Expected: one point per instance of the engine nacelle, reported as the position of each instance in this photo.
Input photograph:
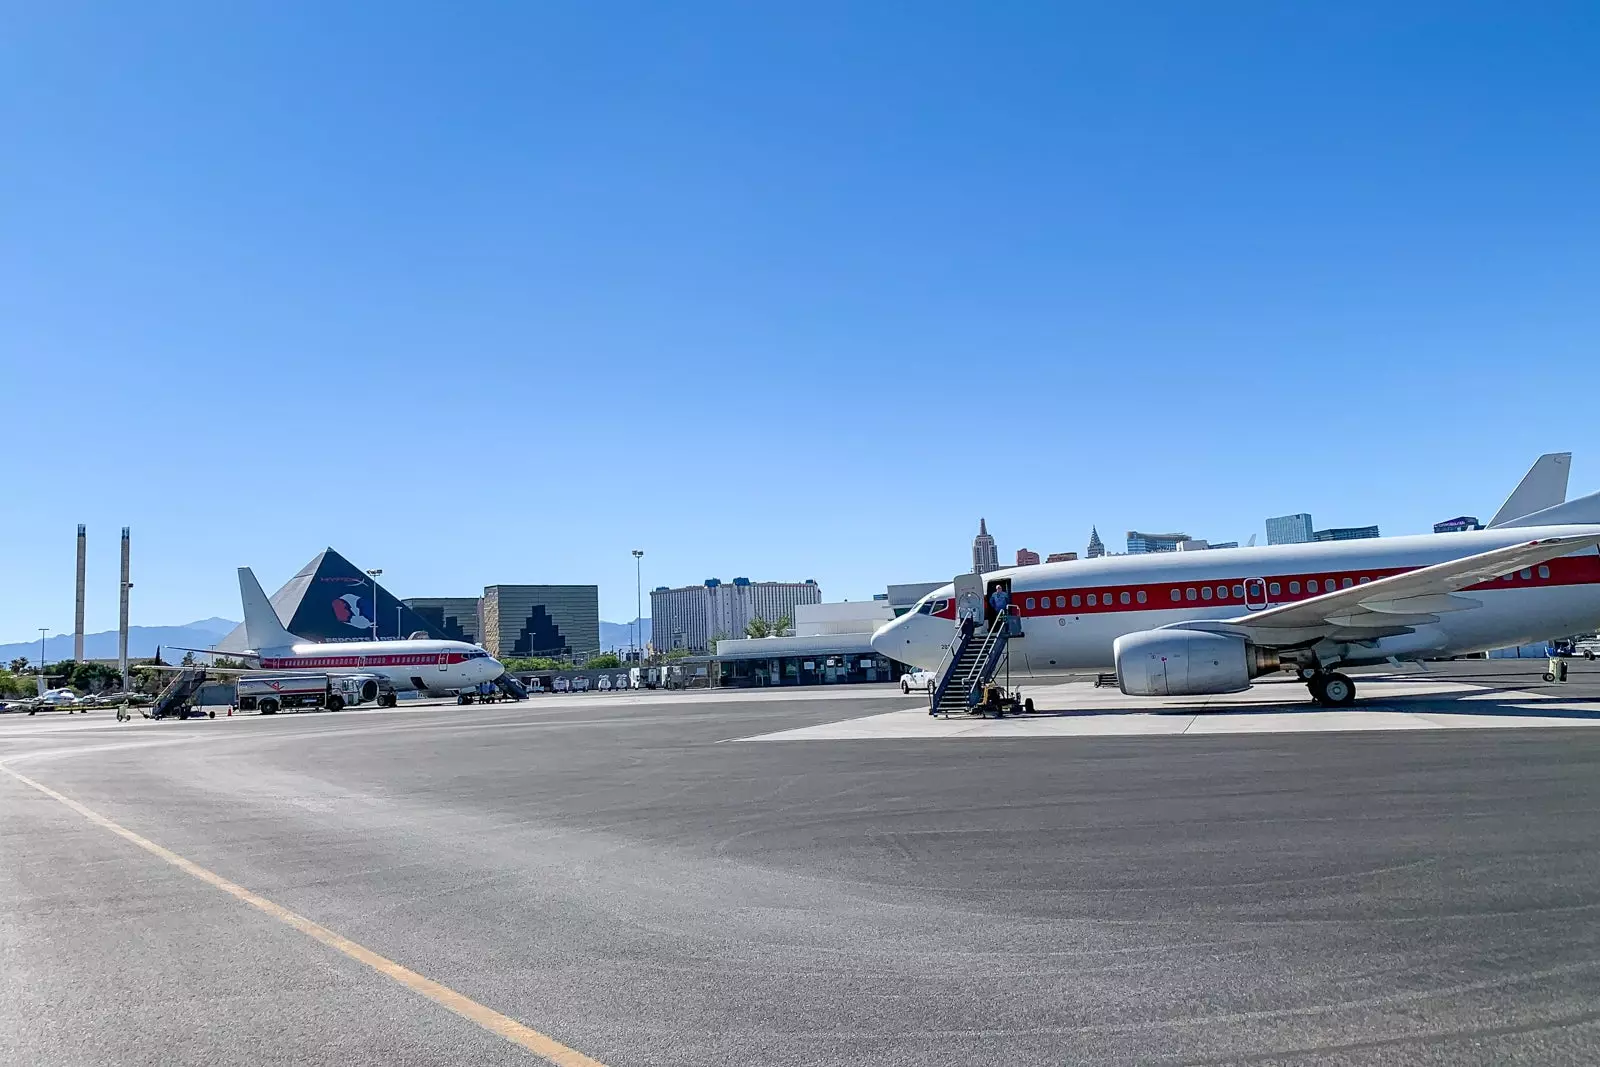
(1159, 663)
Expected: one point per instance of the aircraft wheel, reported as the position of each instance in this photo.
(1027, 705)
(1314, 684)
(1337, 691)
(1588, 653)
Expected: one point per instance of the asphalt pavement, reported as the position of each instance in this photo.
(629, 878)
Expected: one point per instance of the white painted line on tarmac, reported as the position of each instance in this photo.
(544, 1046)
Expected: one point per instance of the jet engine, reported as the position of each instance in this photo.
(367, 687)
(1180, 662)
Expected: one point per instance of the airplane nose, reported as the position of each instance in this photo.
(886, 637)
(912, 639)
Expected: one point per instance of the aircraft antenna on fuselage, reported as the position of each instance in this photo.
(262, 628)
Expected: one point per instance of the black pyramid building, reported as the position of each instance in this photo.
(331, 600)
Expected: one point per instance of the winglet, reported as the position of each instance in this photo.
(262, 628)
(1544, 486)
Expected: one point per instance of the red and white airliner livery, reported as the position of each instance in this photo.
(1190, 623)
(425, 665)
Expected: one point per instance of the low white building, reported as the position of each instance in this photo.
(831, 644)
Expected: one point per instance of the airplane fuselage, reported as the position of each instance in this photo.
(1071, 613)
(426, 665)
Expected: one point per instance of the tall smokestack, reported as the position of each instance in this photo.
(122, 616)
(77, 615)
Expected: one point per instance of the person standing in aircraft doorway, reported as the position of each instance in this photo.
(999, 601)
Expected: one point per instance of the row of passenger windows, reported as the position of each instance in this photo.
(1312, 587)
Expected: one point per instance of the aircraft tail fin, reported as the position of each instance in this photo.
(1583, 511)
(262, 628)
(1543, 487)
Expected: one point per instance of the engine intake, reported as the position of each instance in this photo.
(1158, 663)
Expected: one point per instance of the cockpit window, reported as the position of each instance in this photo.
(925, 608)
(940, 605)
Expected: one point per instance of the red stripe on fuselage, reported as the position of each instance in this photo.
(1229, 592)
(413, 659)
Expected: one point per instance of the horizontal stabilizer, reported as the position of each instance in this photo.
(1584, 511)
(1544, 486)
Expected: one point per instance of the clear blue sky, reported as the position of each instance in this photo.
(498, 292)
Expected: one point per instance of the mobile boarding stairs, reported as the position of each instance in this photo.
(978, 654)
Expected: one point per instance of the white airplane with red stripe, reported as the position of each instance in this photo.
(1192, 623)
(422, 664)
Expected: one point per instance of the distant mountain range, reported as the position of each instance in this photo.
(619, 635)
(142, 641)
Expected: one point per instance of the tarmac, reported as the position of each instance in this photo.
(631, 879)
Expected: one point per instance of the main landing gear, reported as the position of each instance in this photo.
(1330, 689)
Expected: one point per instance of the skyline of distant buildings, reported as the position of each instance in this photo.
(1291, 529)
(985, 556)
(1141, 543)
(689, 616)
(1344, 533)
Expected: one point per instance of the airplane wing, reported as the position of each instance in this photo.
(1397, 604)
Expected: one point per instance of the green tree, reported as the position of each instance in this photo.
(60, 674)
(149, 680)
(676, 654)
(229, 663)
(19, 664)
(602, 662)
(14, 684)
(94, 677)
(759, 627)
(533, 663)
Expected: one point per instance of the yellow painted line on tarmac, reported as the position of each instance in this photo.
(541, 1045)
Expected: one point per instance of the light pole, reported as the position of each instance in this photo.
(638, 605)
(42, 631)
(397, 633)
(373, 574)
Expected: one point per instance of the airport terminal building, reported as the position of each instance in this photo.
(831, 645)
